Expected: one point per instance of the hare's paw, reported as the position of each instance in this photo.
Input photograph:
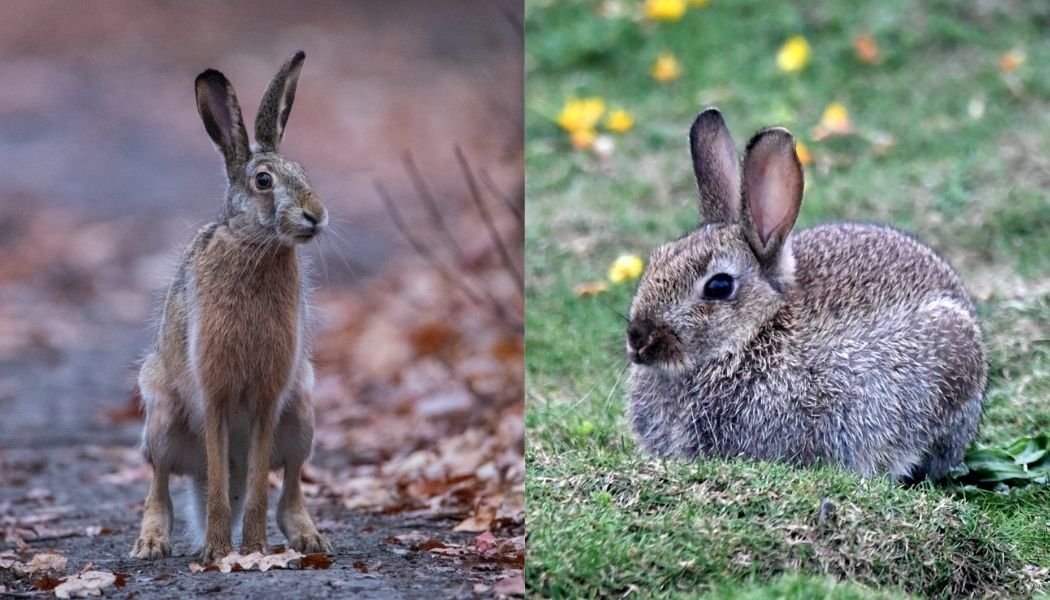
(213, 552)
(151, 547)
(249, 547)
(311, 542)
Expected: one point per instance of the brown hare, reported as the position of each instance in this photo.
(845, 344)
(227, 384)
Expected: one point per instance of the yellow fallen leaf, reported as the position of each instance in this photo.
(664, 10)
(866, 49)
(581, 113)
(1010, 61)
(626, 268)
(590, 288)
(835, 121)
(793, 55)
(582, 139)
(666, 68)
(619, 120)
(804, 157)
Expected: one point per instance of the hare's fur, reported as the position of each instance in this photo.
(227, 385)
(846, 344)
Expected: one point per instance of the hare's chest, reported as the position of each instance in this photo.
(246, 337)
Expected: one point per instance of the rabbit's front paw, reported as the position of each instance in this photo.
(309, 543)
(151, 546)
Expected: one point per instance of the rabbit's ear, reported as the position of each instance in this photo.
(217, 104)
(717, 168)
(277, 103)
(772, 190)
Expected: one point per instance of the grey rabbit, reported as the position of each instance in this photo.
(848, 344)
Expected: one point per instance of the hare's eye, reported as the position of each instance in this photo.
(263, 181)
(719, 287)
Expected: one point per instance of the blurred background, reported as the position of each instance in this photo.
(109, 174)
(931, 116)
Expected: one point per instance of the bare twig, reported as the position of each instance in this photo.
(431, 204)
(475, 193)
(485, 297)
(495, 191)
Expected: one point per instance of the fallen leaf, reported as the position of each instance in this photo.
(485, 541)
(316, 560)
(590, 288)
(793, 55)
(46, 562)
(834, 121)
(866, 48)
(513, 585)
(279, 561)
(46, 583)
(82, 585)
(1010, 61)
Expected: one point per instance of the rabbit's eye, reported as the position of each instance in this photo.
(719, 287)
(263, 181)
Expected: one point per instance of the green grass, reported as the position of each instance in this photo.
(967, 168)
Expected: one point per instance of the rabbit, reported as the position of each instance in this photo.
(846, 344)
(227, 385)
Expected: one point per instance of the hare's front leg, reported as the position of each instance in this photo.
(154, 537)
(217, 536)
(295, 435)
(259, 451)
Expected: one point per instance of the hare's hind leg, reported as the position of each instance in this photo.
(159, 442)
(154, 539)
(294, 438)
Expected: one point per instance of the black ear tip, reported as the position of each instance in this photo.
(298, 57)
(210, 76)
(709, 119)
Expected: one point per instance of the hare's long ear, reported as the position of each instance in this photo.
(217, 104)
(276, 104)
(717, 168)
(772, 191)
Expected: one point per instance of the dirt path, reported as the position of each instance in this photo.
(111, 174)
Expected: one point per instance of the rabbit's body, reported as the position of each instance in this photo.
(851, 344)
(227, 385)
(813, 385)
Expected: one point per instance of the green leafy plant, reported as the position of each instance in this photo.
(1022, 462)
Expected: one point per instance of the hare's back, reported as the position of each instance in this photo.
(849, 268)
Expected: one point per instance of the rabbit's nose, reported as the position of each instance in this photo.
(640, 340)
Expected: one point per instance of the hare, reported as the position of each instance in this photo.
(227, 384)
(845, 344)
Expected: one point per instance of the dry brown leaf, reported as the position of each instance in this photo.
(278, 561)
(47, 561)
(480, 521)
(590, 288)
(88, 583)
(316, 560)
(512, 585)
(866, 48)
(46, 583)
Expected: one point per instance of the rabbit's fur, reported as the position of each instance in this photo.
(227, 385)
(847, 344)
